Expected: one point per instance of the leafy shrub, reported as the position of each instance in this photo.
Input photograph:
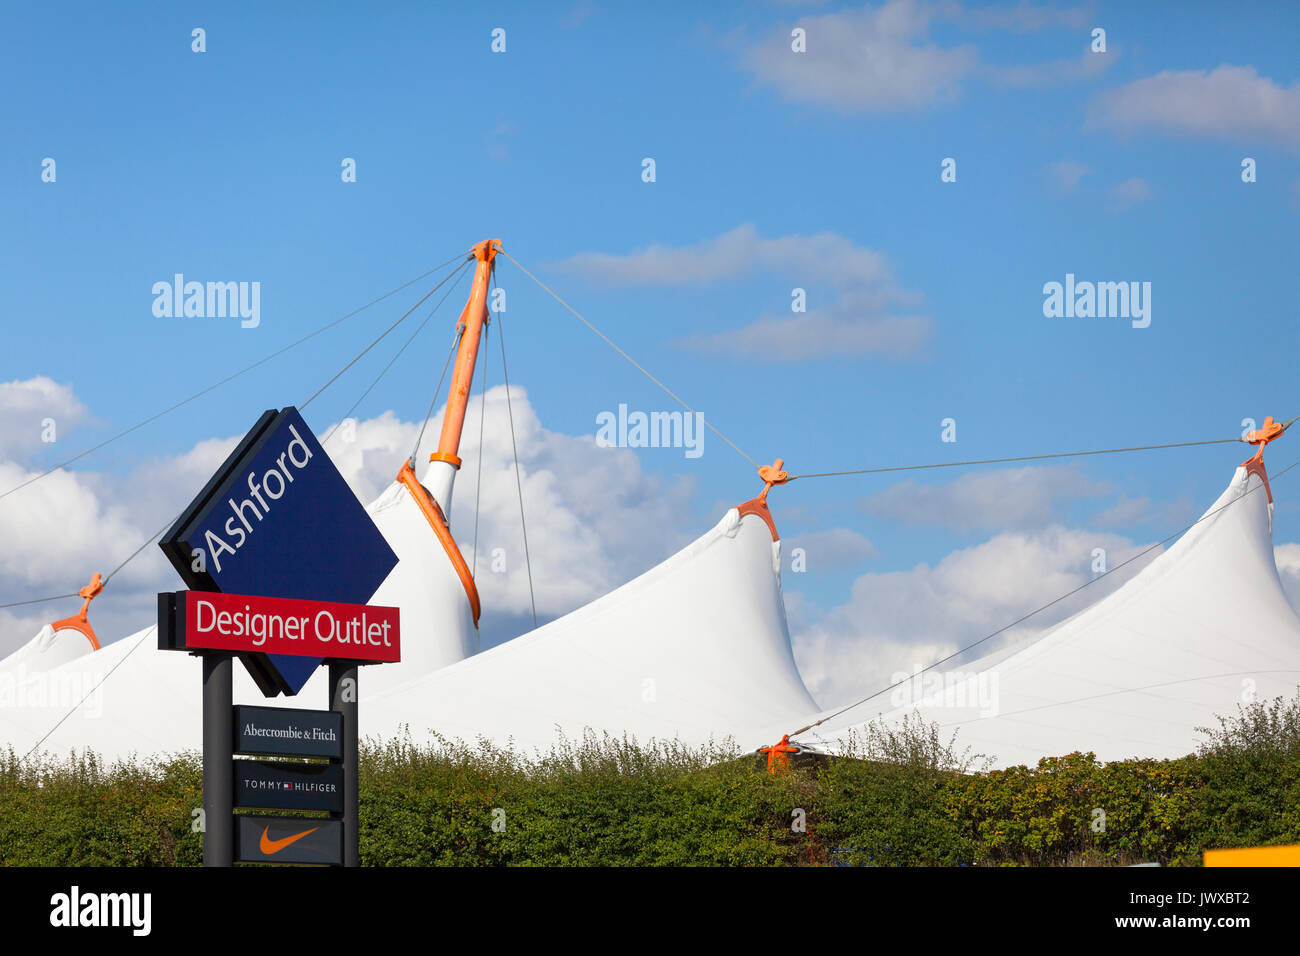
(885, 802)
(902, 794)
(79, 812)
(1249, 771)
(602, 801)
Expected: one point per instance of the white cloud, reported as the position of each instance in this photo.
(859, 320)
(1086, 66)
(1125, 511)
(822, 257)
(26, 409)
(839, 331)
(578, 14)
(882, 59)
(899, 621)
(595, 519)
(1067, 173)
(59, 523)
(1006, 498)
(1129, 193)
(1025, 17)
(873, 59)
(1229, 102)
(369, 453)
(830, 548)
(496, 141)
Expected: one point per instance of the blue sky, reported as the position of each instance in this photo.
(824, 172)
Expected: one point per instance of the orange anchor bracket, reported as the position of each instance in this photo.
(778, 755)
(773, 474)
(438, 522)
(1261, 437)
(81, 620)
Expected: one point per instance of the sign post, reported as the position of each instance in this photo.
(218, 788)
(343, 700)
(278, 525)
(219, 626)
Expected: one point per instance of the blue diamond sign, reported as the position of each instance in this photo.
(278, 520)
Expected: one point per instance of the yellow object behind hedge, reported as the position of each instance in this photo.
(1255, 856)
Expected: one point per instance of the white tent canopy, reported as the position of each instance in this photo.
(48, 649)
(1202, 628)
(142, 700)
(698, 648)
(694, 649)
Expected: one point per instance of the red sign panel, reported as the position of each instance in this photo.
(266, 625)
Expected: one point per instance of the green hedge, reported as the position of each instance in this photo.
(901, 796)
(78, 812)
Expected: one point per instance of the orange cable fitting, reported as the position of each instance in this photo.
(81, 620)
(772, 474)
(1261, 437)
(778, 755)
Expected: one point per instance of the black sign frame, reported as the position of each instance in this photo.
(317, 745)
(285, 785)
(317, 840)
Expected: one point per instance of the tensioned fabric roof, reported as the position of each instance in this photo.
(1204, 627)
(698, 648)
(695, 649)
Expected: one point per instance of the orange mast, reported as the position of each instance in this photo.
(434, 502)
(471, 323)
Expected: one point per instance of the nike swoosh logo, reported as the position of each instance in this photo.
(269, 846)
